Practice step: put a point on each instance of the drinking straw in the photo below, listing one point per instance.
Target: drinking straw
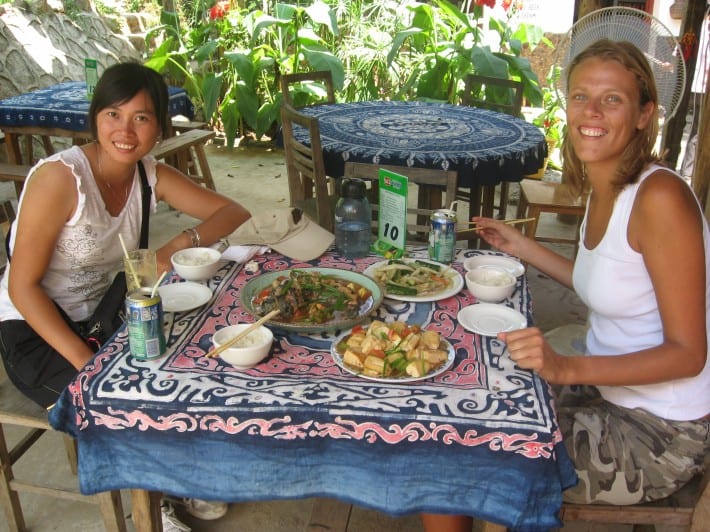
(128, 261)
(155, 286)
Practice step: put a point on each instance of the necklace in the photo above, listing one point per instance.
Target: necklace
(101, 179)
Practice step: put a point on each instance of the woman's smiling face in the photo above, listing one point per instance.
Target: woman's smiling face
(603, 111)
(129, 130)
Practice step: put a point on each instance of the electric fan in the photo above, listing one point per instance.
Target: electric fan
(648, 33)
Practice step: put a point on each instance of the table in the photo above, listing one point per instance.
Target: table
(485, 147)
(480, 439)
(61, 110)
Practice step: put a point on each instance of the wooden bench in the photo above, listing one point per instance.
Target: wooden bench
(678, 510)
(186, 152)
(15, 173)
(17, 410)
(181, 126)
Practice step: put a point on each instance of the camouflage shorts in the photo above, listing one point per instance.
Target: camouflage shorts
(626, 456)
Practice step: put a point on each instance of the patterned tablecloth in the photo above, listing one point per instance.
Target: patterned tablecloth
(484, 146)
(66, 106)
(479, 439)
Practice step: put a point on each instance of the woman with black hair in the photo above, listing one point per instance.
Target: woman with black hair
(65, 245)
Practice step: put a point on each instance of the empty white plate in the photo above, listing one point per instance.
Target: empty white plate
(488, 319)
(512, 266)
(179, 297)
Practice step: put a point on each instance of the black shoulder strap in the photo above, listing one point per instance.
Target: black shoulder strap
(146, 193)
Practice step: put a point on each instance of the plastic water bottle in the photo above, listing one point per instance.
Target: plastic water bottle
(353, 217)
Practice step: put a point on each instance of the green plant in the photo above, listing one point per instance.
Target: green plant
(552, 119)
(230, 58)
(448, 43)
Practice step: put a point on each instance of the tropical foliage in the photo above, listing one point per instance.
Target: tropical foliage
(230, 54)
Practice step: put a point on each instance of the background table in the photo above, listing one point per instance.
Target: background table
(480, 439)
(61, 110)
(483, 146)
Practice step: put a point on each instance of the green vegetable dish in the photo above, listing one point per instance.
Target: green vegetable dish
(414, 277)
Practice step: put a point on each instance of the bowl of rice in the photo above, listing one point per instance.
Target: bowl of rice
(491, 285)
(248, 351)
(196, 264)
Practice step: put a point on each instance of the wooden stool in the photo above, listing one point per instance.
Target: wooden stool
(537, 197)
(678, 510)
(16, 409)
(186, 152)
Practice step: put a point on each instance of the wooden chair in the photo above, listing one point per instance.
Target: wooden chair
(428, 182)
(308, 185)
(537, 197)
(18, 411)
(503, 96)
(677, 511)
(307, 87)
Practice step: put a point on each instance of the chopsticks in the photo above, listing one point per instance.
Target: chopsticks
(215, 352)
(507, 222)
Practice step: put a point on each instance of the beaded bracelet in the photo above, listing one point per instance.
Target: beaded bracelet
(194, 236)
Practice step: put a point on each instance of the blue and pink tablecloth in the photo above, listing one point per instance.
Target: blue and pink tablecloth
(479, 439)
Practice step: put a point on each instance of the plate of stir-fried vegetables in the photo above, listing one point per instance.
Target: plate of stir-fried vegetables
(312, 299)
(393, 352)
(416, 279)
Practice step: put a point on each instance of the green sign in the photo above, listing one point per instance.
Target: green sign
(91, 73)
(392, 216)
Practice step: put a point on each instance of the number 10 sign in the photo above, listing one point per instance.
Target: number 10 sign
(392, 217)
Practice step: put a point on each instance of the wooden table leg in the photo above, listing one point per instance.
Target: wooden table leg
(12, 145)
(146, 510)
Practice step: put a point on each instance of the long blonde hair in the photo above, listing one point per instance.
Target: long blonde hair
(640, 150)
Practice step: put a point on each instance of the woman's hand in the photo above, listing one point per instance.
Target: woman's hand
(530, 350)
(501, 236)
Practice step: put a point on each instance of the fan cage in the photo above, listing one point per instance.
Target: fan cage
(649, 34)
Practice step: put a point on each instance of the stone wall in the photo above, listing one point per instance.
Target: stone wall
(43, 46)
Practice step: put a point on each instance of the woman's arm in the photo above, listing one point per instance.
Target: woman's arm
(49, 200)
(219, 214)
(510, 240)
(666, 228)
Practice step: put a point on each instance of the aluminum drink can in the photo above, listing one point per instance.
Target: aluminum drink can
(144, 319)
(442, 236)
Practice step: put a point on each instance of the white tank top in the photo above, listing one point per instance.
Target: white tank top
(613, 282)
(88, 251)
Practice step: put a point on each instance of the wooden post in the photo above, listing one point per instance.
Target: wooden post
(701, 168)
(670, 143)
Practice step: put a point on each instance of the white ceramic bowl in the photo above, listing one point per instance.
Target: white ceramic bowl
(250, 350)
(196, 264)
(490, 284)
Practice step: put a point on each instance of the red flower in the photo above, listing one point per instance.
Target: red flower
(219, 9)
(489, 3)
(506, 4)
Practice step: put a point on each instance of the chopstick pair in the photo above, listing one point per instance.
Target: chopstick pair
(215, 352)
(507, 222)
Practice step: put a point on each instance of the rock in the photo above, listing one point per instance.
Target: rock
(45, 46)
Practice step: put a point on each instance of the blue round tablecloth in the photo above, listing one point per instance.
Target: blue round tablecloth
(485, 147)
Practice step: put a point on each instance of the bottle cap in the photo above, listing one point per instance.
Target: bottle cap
(353, 188)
